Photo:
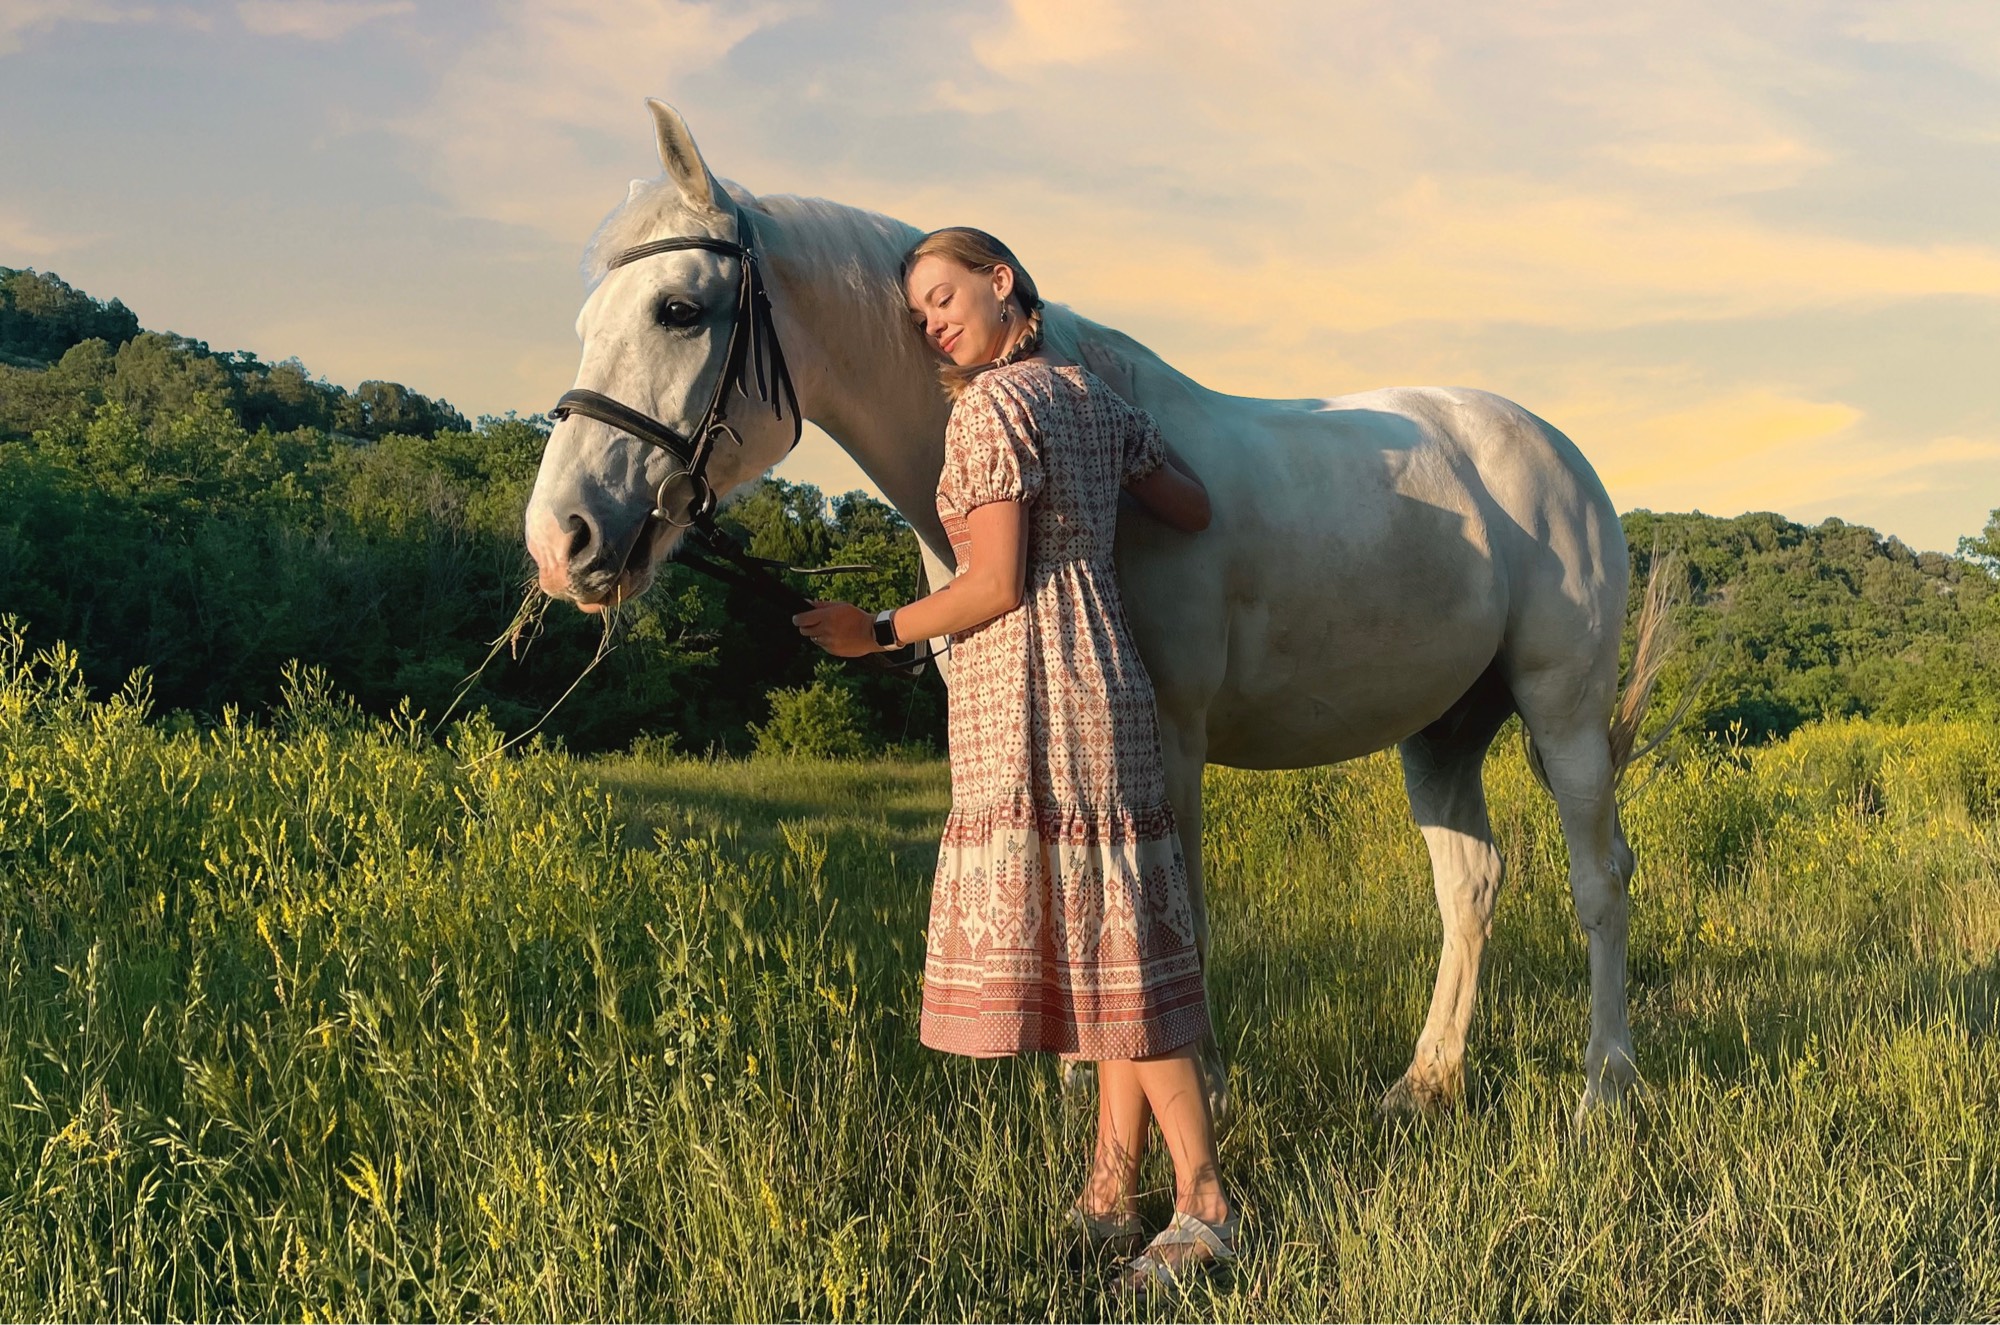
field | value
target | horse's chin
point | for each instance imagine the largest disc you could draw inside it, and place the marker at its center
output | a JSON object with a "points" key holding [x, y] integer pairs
{"points": [[640, 570]]}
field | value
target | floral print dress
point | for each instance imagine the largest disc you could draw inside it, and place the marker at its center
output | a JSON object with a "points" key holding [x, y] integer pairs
{"points": [[1060, 918]]}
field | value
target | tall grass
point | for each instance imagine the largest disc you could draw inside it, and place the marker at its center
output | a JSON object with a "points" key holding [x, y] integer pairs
{"points": [[316, 1018]]}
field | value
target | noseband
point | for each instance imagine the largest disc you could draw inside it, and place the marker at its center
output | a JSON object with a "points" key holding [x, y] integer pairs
{"points": [[754, 354]]}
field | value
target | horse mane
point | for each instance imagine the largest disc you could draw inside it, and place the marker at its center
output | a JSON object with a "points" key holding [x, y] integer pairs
{"points": [[861, 252]]}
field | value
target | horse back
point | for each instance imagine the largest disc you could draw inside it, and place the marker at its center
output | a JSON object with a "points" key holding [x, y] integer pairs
{"points": [[1371, 555]]}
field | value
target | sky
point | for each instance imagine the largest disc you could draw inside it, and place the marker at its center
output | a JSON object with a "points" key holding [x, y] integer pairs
{"points": [[1746, 255]]}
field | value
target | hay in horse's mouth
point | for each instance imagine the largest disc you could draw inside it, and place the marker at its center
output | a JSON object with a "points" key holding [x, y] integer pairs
{"points": [[632, 578]]}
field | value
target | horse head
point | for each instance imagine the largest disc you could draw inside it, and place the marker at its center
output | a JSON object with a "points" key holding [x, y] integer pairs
{"points": [[668, 335]]}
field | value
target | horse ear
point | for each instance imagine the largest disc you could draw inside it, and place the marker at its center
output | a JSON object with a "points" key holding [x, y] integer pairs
{"points": [[682, 158]]}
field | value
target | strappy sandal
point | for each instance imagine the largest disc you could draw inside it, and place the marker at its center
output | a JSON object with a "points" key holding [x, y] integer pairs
{"points": [[1116, 1235], [1215, 1245]]}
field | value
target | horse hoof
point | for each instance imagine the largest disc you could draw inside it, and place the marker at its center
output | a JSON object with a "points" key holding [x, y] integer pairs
{"points": [[1411, 1098], [1605, 1102], [1609, 1093]]}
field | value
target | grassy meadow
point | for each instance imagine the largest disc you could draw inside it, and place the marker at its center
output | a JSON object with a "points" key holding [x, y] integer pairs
{"points": [[317, 1017]]}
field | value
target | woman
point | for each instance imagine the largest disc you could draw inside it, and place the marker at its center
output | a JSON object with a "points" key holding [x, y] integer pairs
{"points": [[1060, 918]]}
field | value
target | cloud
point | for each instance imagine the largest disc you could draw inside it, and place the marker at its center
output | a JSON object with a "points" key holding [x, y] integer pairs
{"points": [[1658, 448], [1961, 31], [21, 17], [1661, 445], [314, 20], [21, 236], [531, 122], [1064, 32], [1260, 186]]}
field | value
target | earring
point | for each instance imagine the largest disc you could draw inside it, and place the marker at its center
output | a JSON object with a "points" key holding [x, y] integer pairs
{"points": [[1003, 312]]}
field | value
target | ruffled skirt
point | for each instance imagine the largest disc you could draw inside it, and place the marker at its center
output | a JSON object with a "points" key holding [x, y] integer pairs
{"points": [[1063, 930]]}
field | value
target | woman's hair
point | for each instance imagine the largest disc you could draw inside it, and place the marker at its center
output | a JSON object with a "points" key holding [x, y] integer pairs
{"points": [[981, 252]]}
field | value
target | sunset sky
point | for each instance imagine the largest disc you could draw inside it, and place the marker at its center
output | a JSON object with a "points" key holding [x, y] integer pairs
{"points": [[1746, 255]]}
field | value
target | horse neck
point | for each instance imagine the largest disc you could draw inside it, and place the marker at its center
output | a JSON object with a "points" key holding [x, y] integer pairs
{"points": [[860, 373]]}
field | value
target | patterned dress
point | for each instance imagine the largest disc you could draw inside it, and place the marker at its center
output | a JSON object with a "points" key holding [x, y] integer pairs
{"points": [[1060, 918]]}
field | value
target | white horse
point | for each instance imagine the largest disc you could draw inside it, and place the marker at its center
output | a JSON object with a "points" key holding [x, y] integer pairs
{"points": [[1400, 567]]}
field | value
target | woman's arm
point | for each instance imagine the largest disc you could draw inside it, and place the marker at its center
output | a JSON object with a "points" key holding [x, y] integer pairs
{"points": [[991, 585], [1173, 494]]}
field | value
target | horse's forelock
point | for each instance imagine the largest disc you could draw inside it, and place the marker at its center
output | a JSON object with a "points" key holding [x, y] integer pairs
{"points": [[652, 210]]}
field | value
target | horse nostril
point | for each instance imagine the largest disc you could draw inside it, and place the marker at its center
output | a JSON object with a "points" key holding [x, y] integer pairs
{"points": [[580, 538]]}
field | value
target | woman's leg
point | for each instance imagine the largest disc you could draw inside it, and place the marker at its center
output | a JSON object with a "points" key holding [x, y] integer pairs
{"points": [[1123, 1116], [1173, 1088]]}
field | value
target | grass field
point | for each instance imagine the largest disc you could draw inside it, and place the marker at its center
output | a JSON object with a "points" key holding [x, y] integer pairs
{"points": [[316, 1018]]}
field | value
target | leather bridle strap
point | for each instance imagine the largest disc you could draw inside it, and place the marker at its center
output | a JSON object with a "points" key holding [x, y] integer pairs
{"points": [[592, 405], [678, 244], [753, 354]]}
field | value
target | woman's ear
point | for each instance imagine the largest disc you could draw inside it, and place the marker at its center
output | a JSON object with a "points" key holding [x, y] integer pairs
{"points": [[1003, 281]]}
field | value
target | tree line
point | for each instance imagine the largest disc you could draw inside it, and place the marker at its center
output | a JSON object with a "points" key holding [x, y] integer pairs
{"points": [[207, 516]]}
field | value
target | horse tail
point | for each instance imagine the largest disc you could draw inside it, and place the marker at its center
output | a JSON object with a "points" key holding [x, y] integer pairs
{"points": [[1655, 635]]}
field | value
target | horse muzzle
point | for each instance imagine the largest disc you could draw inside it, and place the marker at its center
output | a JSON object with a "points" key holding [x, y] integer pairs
{"points": [[574, 561]]}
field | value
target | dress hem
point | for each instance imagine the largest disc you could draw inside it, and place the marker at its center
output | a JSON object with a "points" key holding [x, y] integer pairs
{"points": [[1159, 1034]]}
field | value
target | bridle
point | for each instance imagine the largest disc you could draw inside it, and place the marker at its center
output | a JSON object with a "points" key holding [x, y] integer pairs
{"points": [[754, 352], [754, 356]]}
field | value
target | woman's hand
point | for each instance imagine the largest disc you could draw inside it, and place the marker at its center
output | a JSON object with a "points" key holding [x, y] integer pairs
{"points": [[1174, 494], [991, 586], [842, 629]]}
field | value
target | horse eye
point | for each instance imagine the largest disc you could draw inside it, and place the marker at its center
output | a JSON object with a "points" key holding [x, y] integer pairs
{"points": [[677, 313]]}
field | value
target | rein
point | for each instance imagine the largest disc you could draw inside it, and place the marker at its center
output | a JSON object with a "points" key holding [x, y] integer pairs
{"points": [[754, 356]]}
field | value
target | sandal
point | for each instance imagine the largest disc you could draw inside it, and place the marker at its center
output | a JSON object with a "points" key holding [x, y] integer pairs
{"points": [[1119, 1235], [1215, 1244]]}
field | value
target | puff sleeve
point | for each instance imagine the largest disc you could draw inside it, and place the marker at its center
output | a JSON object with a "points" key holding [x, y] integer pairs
{"points": [[1144, 449], [992, 448]]}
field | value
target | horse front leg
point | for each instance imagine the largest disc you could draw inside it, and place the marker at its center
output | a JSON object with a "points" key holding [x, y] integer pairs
{"points": [[1184, 745], [1184, 763]]}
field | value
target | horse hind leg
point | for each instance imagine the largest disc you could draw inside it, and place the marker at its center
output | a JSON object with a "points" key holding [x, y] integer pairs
{"points": [[1572, 746], [1442, 774]]}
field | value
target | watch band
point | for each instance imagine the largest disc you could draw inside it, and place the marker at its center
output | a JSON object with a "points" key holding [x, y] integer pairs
{"points": [[885, 629]]}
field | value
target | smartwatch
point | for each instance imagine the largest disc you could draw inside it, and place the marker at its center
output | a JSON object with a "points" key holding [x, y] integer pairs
{"points": [[885, 629]]}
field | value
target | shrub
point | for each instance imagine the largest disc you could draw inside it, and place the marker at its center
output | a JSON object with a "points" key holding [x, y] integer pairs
{"points": [[819, 721]]}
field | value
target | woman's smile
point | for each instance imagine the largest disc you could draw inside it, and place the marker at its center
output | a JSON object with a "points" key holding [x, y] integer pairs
{"points": [[965, 315]]}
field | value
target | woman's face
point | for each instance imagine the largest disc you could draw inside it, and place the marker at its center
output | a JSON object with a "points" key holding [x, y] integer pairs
{"points": [[958, 309]]}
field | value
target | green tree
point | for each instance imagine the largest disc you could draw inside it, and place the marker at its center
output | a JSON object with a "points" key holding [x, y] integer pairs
{"points": [[377, 409], [160, 375], [1985, 548], [819, 721], [41, 316]]}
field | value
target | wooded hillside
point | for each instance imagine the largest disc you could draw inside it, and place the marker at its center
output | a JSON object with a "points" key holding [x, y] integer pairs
{"points": [[207, 515]]}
